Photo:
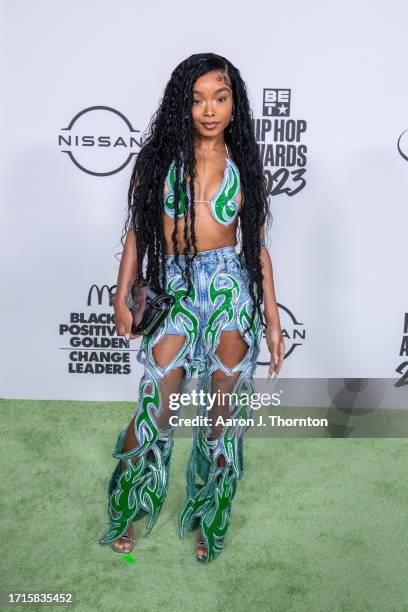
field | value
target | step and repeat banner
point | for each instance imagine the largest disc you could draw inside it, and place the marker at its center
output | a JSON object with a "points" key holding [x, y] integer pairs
{"points": [[329, 98]]}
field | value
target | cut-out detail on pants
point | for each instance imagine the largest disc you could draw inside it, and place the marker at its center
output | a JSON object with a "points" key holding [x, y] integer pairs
{"points": [[218, 301], [209, 505], [142, 487]]}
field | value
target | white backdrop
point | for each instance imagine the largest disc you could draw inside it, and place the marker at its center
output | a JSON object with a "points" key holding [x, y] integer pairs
{"points": [[338, 245]]}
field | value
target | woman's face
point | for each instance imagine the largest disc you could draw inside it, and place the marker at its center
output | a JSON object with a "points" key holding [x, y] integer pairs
{"points": [[212, 103]]}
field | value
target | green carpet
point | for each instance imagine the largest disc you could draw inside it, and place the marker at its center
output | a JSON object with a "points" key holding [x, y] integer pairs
{"points": [[317, 524]]}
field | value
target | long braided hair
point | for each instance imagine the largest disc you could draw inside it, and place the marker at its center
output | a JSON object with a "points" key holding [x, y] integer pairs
{"points": [[169, 136]]}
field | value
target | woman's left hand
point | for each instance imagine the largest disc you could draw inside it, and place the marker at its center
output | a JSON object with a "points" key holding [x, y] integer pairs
{"points": [[276, 347]]}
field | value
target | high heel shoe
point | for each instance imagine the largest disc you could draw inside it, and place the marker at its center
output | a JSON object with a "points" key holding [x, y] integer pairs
{"points": [[129, 547], [201, 555]]}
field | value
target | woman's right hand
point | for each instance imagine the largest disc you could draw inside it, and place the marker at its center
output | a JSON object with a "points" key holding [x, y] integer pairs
{"points": [[123, 321]]}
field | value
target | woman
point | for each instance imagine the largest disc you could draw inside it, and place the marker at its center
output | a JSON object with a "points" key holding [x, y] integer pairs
{"points": [[197, 175]]}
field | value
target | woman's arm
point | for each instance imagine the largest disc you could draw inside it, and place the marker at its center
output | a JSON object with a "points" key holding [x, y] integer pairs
{"points": [[127, 269], [273, 332], [270, 307], [126, 278]]}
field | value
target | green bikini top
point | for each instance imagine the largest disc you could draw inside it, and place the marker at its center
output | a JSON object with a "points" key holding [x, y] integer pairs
{"points": [[224, 205]]}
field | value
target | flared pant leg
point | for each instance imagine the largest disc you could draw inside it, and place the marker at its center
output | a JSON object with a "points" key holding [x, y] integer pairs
{"points": [[208, 504], [141, 488]]}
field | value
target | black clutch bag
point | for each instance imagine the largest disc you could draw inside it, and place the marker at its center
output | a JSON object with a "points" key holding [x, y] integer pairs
{"points": [[149, 306]]}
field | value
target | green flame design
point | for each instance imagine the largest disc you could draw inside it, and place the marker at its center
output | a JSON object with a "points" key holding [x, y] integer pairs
{"points": [[226, 305], [142, 486], [225, 207]]}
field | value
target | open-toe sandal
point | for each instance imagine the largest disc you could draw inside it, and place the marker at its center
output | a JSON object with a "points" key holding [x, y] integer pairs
{"points": [[200, 554], [127, 548]]}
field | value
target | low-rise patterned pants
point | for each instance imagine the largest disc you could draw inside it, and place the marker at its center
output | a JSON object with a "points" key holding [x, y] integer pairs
{"points": [[208, 333]]}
